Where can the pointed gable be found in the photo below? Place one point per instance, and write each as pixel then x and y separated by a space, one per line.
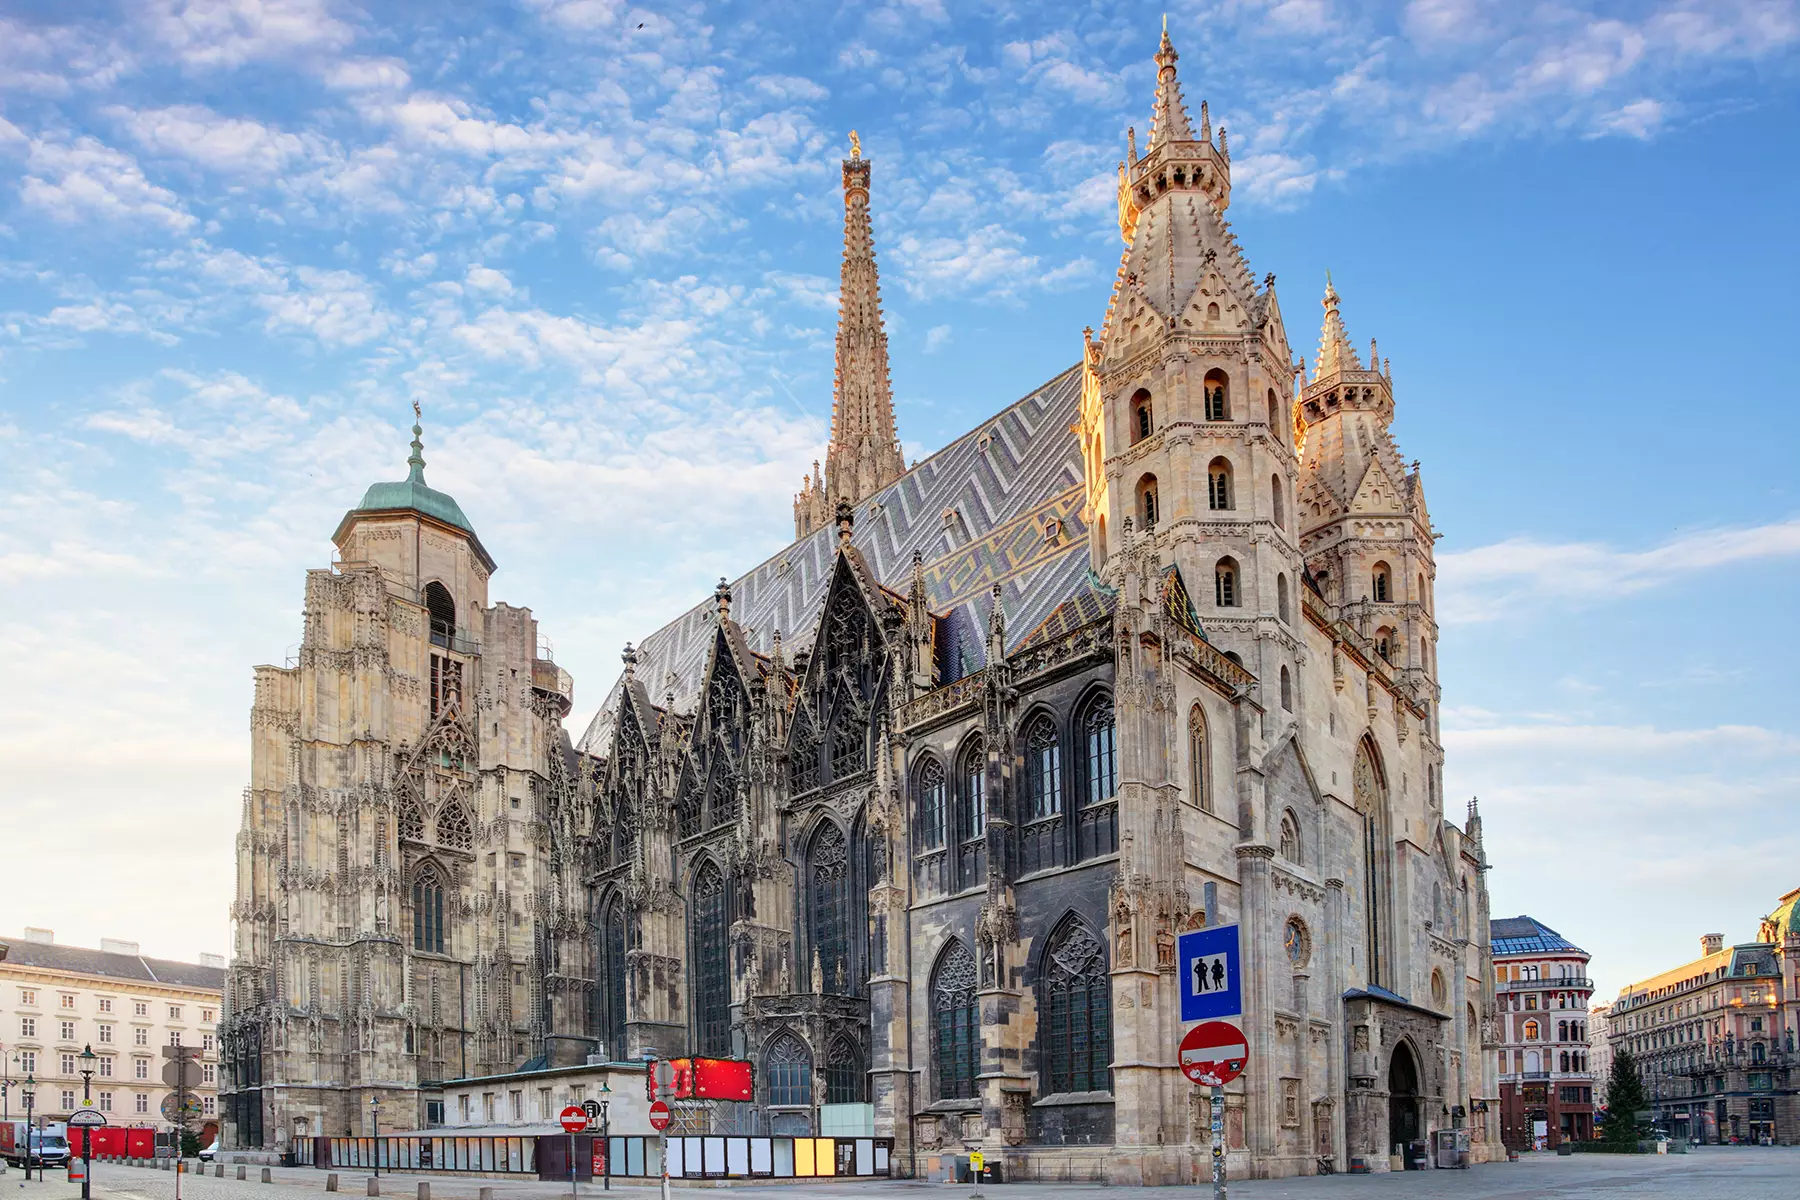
pixel 1377 493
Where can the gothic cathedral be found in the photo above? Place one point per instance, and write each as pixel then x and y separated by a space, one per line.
pixel 913 813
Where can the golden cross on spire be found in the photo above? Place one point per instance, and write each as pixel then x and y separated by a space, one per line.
pixel 855 145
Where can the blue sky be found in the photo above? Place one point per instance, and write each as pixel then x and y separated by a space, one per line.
pixel 598 243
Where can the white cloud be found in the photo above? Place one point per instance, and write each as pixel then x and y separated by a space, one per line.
pixel 489 282
pixel 230 33
pixel 1523 574
pixel 989 261
pixel 71 182
pixel 936 338
pixel 231 145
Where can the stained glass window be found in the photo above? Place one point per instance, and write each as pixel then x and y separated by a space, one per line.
pixel 712 982
pixel 1098 831
pixel 1043 767
pixel 844 1078
pixel 428 912
pixel 929 798
pixel 828 908
pixel 955 1024
pixel 789 1068
pixel 611 993
pixel 1076 995
pixel 971 817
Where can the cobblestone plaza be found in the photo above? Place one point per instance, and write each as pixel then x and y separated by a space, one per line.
pixel 1712 1173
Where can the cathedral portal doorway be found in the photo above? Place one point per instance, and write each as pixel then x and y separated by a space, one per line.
pixel 1403 1103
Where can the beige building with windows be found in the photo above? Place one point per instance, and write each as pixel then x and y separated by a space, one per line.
pixel 59 1000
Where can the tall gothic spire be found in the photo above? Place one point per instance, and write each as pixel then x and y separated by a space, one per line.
pixel 1169 120
pixel 1335 351
pixel 864 455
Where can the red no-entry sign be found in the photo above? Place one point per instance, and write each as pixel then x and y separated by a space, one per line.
pixel 574 1119
pixel 1213 1053
pixel 659 1116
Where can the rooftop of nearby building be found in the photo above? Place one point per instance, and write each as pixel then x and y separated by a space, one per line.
pixel 1527 935
pixel 114 960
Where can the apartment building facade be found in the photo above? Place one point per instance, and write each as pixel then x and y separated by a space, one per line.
pixel 1541 993
pixel 60 1000
pixel 1715 1037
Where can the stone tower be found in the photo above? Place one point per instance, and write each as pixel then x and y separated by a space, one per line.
pixel 388 910
pixel 864 455
pixel 1185 418
pixel 1364 528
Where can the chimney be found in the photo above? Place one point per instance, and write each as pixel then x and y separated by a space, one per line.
pixel 213 960
pixel 42 937
pixel 1712 943
pixel 118 946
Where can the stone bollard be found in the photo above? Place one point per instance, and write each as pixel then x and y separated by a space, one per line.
pixel 331 1182
pixel 374 1186
pixel 218 1170
pixel 241 1173
pixel 487 1194
pixel 424 1191
pixel 268 1176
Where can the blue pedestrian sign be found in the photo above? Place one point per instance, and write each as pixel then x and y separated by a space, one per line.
pixel 1211 986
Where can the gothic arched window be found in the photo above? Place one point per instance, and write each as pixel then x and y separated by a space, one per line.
pixel 611 992
pixel 442 610
pixel 844 1078
pixel 1287 690
pixel 1371 805
pixel 428 911
pixel 709 916
pixel 803 755
pixel 688 804
pixel 1275 421
pixel 1381 584
pixel 971 815
pixel 453 826
pixel 1277 506
pixel 929 803
pixel 789 1067
pixel 1290 837
pixel 1218 485
pixel 1218 400
pixel 849 743
pixel 1097 832
pixel 722 804
pixel 955 1024
pixel 1199 761
pixel 1143 421
pixel 1147 506
pixel 1044 794
pixel 1075 995
pixel 828 908
pixel 412 825
pixel 1225 583
pixel 1281 599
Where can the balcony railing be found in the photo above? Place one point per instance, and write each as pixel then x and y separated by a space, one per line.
pixel 1576 983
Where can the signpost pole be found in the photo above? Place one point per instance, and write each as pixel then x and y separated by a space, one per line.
pixel 1218 1140
pixel 572 1190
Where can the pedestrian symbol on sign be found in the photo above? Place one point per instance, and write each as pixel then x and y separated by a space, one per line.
pixel 1209 973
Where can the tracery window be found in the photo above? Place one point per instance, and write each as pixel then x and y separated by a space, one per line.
pixel 845 1082
pixel 1044 791
pixel 849 743
pixel 955 1024
pixel 929 796
pixel 428 911
pixel 453 828
pixel 971 815
pixel 789 1066
pixel 688 803
pixel 829 910
pixel 707 957
pixel 1199 760
pixel 412 824
pixel 803 758
pixel 611 992
pixel 724 800
pixel 1076 999
pixel 1098 821
pixel 1290 837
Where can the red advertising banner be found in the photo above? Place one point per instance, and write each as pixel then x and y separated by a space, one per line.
pixel 708 1079
pixel 599 1157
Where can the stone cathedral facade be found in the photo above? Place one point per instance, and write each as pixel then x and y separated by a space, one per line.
pixel 912 813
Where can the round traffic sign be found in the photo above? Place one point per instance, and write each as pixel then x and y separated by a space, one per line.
pixel 574 1119
pixel 1213 1053
pixel 659 1116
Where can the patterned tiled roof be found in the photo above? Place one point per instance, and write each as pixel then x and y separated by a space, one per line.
pixel 80 960
pixel 977 512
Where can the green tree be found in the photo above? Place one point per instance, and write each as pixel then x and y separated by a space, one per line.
pixel 190 1144
pixel 1625 1099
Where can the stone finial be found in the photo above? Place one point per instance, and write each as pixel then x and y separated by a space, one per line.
pixel 846 521
pixel 722 599
pixel 630 659
pixel 1131 154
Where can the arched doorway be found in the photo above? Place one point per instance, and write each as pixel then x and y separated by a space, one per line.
pixel 1403 1101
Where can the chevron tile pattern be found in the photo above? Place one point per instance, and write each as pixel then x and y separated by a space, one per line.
pixel 977 511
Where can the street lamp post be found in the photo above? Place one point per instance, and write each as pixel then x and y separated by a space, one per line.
pixel 375 1116
pixel 30 1100
pixel 605 1094
pixel 88 1058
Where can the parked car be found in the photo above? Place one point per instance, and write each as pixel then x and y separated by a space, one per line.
pixel 208 1153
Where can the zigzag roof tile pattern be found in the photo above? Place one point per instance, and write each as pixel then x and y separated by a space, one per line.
pixel 976 512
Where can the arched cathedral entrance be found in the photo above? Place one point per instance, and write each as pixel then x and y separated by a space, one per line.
pixel 1403 1102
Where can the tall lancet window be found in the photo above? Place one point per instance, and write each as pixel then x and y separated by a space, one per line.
pixel 1371 805
pixel 955 1024
pixel 610 995
pixel 1075 1000
pixel 709 923
pixel 828 909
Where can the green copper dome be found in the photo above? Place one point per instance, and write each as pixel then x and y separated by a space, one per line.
pixel 413 493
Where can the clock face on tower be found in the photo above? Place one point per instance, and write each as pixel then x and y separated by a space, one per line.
pixel 1298 944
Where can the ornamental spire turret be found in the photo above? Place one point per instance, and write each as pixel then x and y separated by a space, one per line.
pixel 864 455
pixel 1169 121
pixel 1335 351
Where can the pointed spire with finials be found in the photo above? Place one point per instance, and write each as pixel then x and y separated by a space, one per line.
pixel 864 455
pixel 1335 351
pixel 1169 121
pixel 1176 158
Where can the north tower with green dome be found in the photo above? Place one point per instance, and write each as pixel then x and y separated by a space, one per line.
pixel 385 929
